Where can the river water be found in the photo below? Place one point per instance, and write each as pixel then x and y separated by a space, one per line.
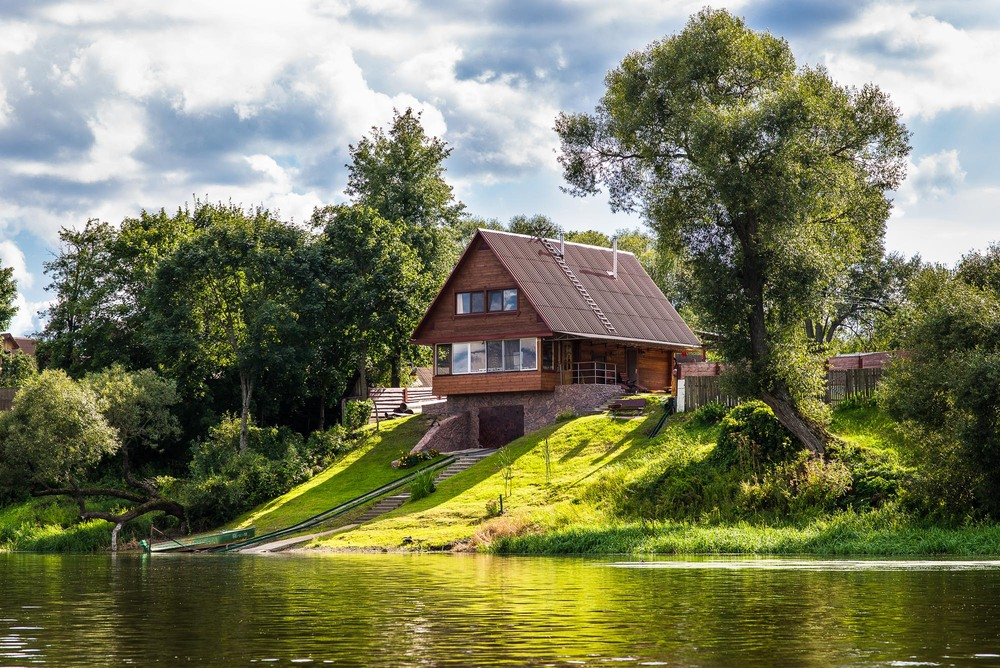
pixel 409 610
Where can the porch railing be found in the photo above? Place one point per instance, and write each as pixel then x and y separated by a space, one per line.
pixel 595 373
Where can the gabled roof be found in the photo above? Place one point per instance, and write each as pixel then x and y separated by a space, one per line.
pixel 635 308
pixel 21 343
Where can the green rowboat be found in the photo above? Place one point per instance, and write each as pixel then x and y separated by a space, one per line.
pixel 199 543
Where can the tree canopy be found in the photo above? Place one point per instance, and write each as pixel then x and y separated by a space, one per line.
pixel 770 177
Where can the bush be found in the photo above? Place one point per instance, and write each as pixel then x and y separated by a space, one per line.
pixel 357 414
pixel 225 483
pixel 567 414
pixel 752 437
pixel 493 508
pixel 323 447
pixel 709 414
pixel 409 459
pixel 422 485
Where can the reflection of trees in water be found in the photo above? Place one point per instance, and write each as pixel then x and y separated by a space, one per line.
pixel 408 609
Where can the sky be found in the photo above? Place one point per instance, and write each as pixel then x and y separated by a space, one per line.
pixel 109 107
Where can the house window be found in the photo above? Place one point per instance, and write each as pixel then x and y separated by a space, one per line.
pixel 460 358
pixel 529 354
pixel 502 300
pixel 548 355
pixel 510 299
pixel 468 302
pixel 512 355
pixel 477 357
pixel 442 357
pixel 494 356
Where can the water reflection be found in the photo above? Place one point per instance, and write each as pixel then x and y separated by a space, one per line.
pixel 472 610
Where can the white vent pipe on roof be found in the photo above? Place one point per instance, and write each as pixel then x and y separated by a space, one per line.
pixel 562 244
pixel 614 261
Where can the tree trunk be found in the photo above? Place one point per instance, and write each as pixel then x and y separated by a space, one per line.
pixel 246 393
pixel 772 391
pixel 395 376
pixel 114 536
pixel 322 411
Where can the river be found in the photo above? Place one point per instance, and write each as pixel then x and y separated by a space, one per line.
pixel 417 610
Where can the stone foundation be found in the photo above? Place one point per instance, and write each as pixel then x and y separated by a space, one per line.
pixel 448 435
pixel 540 409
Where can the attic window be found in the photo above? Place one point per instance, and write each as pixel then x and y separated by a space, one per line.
pixel 502 300
pixel 468 302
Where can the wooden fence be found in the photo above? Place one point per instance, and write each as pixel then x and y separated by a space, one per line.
pixel 844 383
pixel 847 376
pixel 387 399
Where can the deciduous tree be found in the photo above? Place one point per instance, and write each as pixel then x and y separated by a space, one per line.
pixel 771 177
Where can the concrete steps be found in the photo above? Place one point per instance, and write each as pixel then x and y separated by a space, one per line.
pixel 465 460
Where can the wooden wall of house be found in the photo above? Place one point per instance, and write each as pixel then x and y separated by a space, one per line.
pixel 654 368
pixel 482 383
pixel 480 270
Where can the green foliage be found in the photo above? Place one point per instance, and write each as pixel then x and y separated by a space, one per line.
pixel 710 414
pixel 770 178
pixel 16 368
pixel 752 437
pixel 422 485
pixel 357 414
pixel 322 448
pixel 137 405
pixel 493 508
pixel 946 392
pixel 535 226
pixel 226 482
pixel 567 414
pixel 54 436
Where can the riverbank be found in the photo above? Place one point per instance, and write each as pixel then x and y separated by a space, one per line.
pixel 599 485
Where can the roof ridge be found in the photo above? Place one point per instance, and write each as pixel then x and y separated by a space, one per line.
pixel 574 243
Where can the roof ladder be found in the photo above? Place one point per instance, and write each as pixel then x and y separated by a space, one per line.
pixel 578 285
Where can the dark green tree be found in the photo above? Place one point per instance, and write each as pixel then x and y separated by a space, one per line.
pixel 946 390
pixel 228 300
pixel 375 280
pixel 771 177
pixel 8 293
pixel 81 330
pixel 535 226
pixel 16 368
pixel 399 174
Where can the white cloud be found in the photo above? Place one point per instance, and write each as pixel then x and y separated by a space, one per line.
pixel 11 256
pixel 932 177
pixel 926 64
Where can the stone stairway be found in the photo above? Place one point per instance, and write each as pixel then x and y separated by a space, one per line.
pixel 465 460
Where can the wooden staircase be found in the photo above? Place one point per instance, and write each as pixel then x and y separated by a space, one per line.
pixel 387 504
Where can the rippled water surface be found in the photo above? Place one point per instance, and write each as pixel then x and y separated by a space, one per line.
pixel 397 610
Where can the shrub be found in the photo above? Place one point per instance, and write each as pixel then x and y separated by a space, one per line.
pixel 567 414
pixel 422 485
pixel 493 508
pixel 751 437
pixel 357 414
pixel 409 459
pixel 709 414
pixel 323 447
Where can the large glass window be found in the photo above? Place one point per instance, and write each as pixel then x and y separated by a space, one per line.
pixel 529 354
pixel 494 355
pixel 468 302
pixel 494 300
pixel 443 359
pixel 512 355
pixel 477 357
pixel 460 358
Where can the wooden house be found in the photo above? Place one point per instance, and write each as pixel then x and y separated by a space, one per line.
pixel 526 316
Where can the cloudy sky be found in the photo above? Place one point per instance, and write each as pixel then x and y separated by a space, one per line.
pixel 108 107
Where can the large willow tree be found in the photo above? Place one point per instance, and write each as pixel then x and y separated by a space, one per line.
pixel 771 177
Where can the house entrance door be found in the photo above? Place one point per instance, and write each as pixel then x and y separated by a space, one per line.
pixel 632 364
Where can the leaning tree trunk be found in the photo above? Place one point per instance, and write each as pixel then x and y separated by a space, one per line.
pixel 775 392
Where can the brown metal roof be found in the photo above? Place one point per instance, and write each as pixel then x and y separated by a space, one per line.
pixel 632 303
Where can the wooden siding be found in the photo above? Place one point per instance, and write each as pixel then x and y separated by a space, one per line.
pixel 480 270
pixel 484 383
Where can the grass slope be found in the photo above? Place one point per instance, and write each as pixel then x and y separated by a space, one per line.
pixel 358 472
pixel 611 489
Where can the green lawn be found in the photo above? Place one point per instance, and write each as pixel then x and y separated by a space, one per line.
pixel 359 472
